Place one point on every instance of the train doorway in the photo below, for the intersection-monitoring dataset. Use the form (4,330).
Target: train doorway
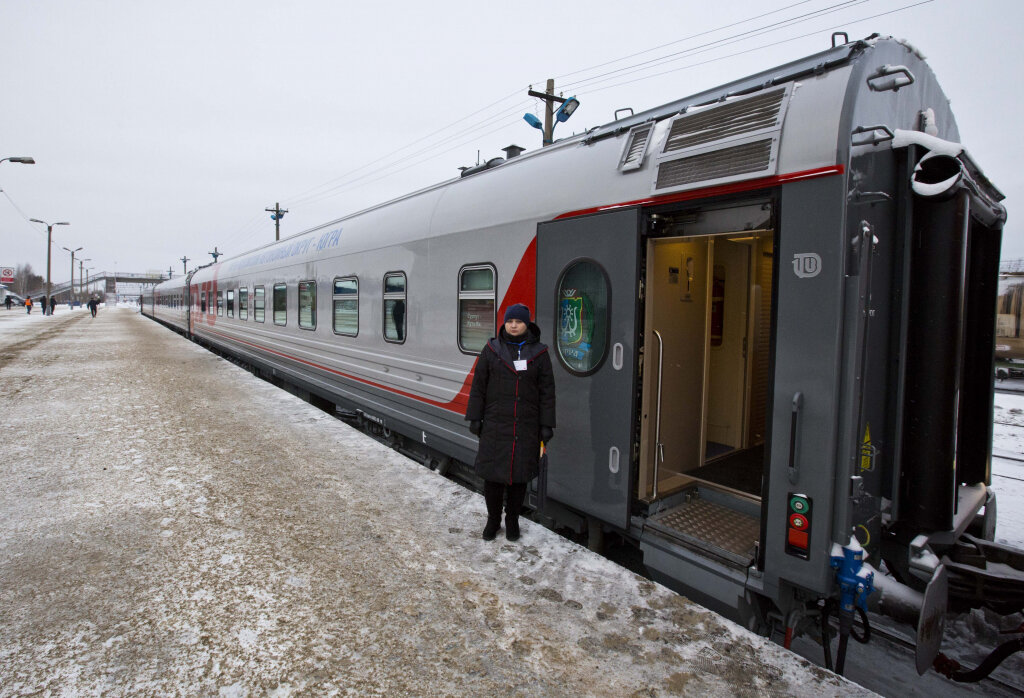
(707,338)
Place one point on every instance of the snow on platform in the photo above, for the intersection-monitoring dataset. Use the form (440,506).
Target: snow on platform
(172,525)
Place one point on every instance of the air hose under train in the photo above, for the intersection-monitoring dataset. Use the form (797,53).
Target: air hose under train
(951,669)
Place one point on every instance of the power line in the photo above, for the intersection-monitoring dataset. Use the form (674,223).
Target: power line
(763,46)
(725,41)
(353,179)
(679,41)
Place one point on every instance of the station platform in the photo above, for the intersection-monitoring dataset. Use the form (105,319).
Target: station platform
(174,526)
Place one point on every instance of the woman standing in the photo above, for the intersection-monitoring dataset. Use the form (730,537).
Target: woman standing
(512,409)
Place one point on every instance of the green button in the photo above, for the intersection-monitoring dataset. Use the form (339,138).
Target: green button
(799,505)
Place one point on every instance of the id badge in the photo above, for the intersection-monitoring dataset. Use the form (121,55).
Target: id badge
(521,365)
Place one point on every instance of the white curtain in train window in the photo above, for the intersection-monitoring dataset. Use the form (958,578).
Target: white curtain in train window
(581,334)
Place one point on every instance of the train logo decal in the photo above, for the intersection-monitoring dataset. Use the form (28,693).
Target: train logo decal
(573,326)
(806,264)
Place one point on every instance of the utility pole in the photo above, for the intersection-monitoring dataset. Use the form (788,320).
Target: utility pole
(184,264)
(215,254)
(549,109)
(277,214)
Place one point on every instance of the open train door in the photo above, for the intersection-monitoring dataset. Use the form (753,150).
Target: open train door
(587,309)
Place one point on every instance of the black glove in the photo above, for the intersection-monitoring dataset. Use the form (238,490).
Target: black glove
(475,426)
(546,434)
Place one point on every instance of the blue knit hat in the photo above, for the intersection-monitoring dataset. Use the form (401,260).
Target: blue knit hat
(517,312)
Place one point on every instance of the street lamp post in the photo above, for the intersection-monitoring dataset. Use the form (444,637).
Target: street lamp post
(71,288)
(80,277)
(49,240)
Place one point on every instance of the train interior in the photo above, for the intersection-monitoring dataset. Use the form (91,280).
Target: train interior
(707,330)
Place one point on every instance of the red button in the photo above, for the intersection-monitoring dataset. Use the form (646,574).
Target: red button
(798,521)
(798,539)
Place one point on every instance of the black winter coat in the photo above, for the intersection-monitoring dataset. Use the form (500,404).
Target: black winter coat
(513,406)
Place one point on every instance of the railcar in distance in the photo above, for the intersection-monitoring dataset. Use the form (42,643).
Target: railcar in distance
(731,285)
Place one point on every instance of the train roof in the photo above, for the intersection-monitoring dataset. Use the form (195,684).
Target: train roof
(821,98)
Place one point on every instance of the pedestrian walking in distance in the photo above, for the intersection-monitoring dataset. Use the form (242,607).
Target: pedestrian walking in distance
(42,302)
(512,409)
(93,304)
(28,305)
(8,302)
(53,304)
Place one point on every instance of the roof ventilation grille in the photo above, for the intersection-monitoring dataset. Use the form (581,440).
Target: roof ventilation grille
(725,142)
(716,164)
(636,148)
(729,120)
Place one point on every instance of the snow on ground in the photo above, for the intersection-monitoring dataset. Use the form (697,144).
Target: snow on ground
(174,526)
(1008,467)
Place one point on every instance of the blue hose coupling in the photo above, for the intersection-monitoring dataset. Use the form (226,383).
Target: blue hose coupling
(856,581)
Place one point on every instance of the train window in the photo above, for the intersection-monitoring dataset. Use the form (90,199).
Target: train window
(258,303)
(346,306)
(220,303)
(243,303)
(476,307)
(280,304)
(231,303)
(582,332)
(307,305)
(203,303)
(394,306)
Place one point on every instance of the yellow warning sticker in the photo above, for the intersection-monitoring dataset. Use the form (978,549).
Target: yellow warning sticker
(867,451)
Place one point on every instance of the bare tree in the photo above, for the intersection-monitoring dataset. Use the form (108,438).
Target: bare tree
(25,280)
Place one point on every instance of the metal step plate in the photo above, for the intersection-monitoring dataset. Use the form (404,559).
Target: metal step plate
(725,531)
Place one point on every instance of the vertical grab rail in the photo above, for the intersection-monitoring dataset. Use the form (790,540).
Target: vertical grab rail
(794,466)
(659,448)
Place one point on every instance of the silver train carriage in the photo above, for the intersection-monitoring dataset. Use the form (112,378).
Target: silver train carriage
(758,299)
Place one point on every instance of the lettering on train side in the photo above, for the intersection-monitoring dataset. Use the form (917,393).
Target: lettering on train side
(325,241)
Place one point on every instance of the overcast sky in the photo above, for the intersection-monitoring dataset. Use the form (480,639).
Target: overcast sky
(164,129)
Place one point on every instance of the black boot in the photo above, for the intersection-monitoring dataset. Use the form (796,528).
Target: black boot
(516,494)
(493,492)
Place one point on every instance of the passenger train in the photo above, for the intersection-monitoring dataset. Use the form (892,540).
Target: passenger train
(771,310)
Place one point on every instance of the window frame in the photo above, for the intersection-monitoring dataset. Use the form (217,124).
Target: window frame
(385,297)
(335,297)
(220,303)
(243,303)
(229,304)
(461,295)
(607,330)
(273,303)
(308,282)
(259,314)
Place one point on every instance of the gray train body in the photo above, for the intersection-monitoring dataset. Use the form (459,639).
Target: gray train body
(757,299)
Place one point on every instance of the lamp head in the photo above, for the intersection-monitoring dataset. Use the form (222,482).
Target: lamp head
(566,110)
(23,161)
(533,121)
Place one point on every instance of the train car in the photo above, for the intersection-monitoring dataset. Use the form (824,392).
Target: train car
(167,302)
(758,300)
(1009,336)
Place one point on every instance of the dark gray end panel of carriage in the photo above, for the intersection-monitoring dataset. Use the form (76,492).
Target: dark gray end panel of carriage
(590,464)
(807,363)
